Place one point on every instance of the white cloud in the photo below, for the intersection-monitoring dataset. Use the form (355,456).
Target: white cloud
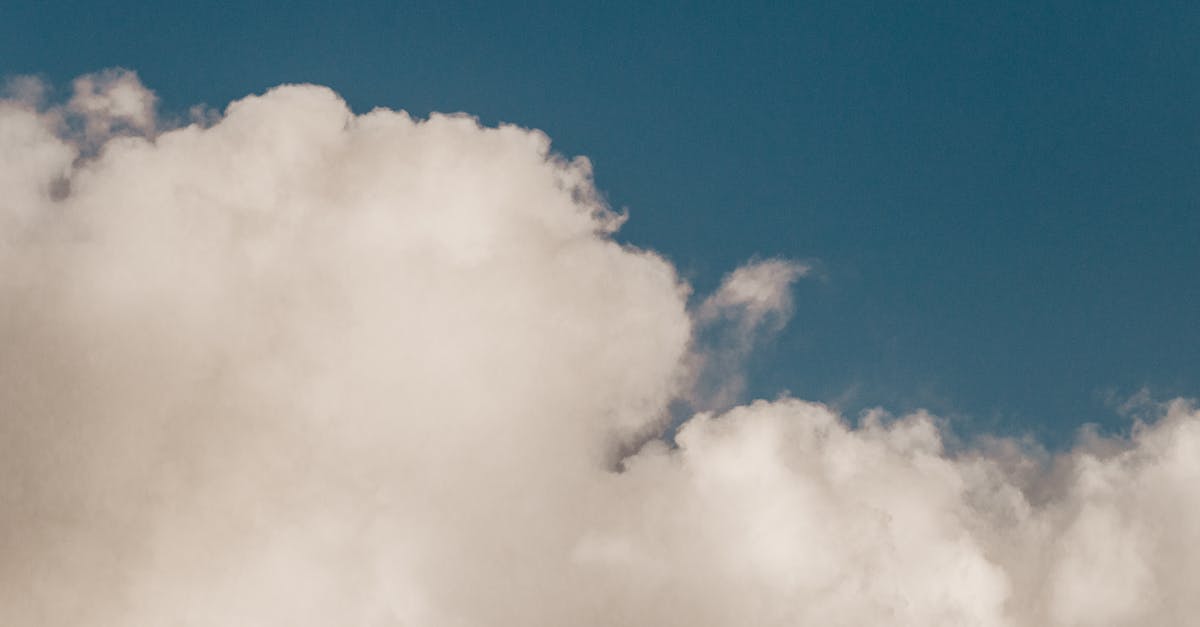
(302,367)
(111,100)
(752,304)
(755,292)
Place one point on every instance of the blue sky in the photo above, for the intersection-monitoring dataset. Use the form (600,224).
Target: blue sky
(1002,197)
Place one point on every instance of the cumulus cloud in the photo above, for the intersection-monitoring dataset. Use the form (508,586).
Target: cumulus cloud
(111,100)
(298,366)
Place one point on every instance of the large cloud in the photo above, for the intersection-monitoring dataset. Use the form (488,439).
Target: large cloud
(302,367)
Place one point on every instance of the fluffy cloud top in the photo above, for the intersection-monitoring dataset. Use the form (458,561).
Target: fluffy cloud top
(305,367)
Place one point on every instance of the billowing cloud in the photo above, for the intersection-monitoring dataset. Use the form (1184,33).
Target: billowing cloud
(298,366)
(112,100)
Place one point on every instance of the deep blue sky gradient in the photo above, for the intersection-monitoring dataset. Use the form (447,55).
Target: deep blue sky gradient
(1004,198)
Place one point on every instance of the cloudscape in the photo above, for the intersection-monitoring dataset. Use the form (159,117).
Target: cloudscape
(286,364)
